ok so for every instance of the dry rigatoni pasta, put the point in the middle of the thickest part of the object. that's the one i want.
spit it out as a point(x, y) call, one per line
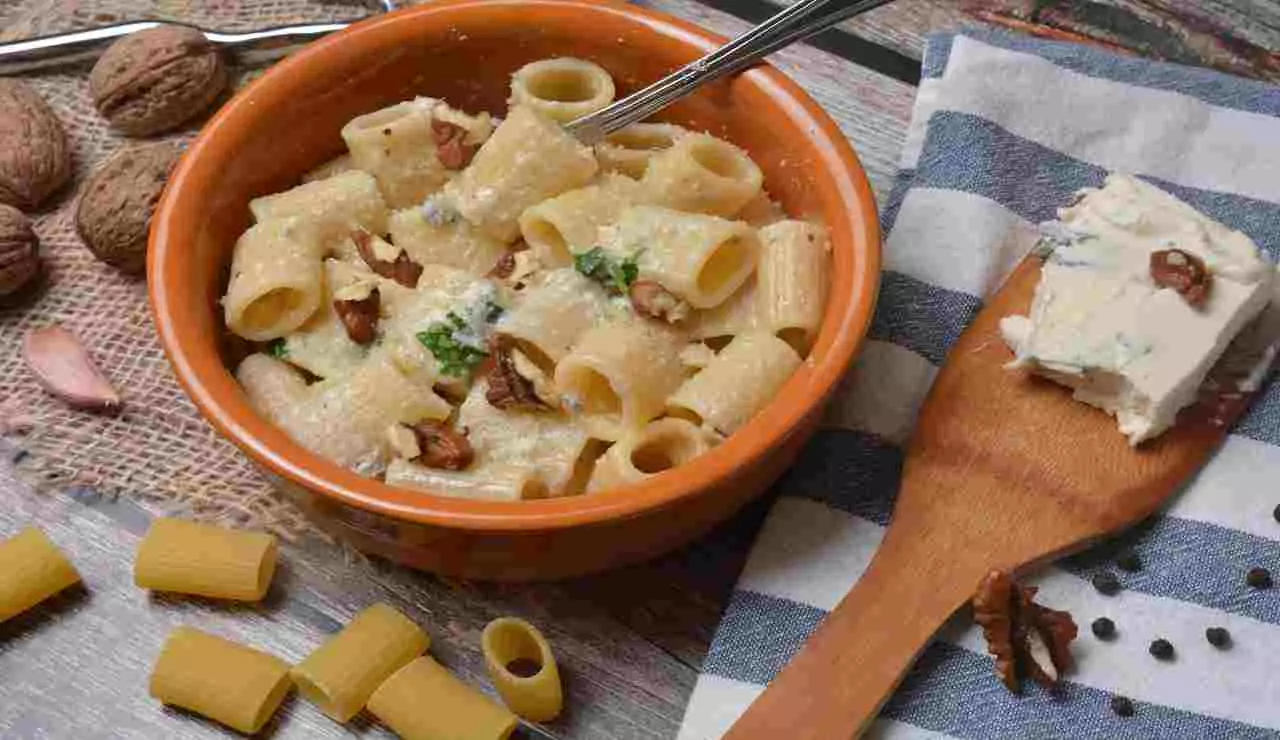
point(522, 668)
point(32, 569)
point(562, 89)
point(559, 227)
point(423, 701)
point(528, 159)
point(702, 259)
point(341, 675)
point(629, 149)
point(203, 560)
point(742, 378)
point(662, 445)
point(225, 681)
point(794, 258)
point(276, 279)
point(333, 207)
point(702, 174)
point(619, 374)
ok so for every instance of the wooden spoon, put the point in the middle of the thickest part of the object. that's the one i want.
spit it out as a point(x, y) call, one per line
point(1004, 471)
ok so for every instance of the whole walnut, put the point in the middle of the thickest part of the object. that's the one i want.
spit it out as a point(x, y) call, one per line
point(114, 214)
point(156, 80)
point(34, 157)
point(19, 255)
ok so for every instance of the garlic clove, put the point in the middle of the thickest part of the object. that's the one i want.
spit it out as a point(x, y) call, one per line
point(61, 364)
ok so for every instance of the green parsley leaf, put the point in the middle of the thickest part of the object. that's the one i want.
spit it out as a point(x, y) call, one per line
point(278, 349)
point(455, 359)
point(615, 276)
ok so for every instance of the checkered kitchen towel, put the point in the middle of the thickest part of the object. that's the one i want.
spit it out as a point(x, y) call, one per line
point(1005, 130)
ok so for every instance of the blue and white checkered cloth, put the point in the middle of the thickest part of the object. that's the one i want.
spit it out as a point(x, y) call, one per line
point(1005, 130)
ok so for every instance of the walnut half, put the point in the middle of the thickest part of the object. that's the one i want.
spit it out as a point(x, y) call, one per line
point(1184, 272)
point(1025, 638)
point(442, 447)
point(513, 379)
point(650, 299)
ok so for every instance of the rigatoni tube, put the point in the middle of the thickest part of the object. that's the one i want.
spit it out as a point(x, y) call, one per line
point(661, 445)
point(219, 679)
point(32, 569)
point(558, 228)
point(629, 150)
point(702, 174)
point(276, 279)
point(423, 701)
point(204, 560)
point(740, 381)
point(562, 89)
point(523, 668)
point(793, 280)
point(341, 675)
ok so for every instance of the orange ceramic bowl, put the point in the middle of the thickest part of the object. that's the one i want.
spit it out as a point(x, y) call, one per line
point(288, 121)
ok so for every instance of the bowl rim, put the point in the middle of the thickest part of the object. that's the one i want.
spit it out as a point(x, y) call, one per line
point(235, 419)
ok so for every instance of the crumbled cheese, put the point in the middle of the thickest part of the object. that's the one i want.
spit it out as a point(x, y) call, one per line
point(439, 210)
point(402, 442)
point(382, 249)
point(1100, 324)
point(357, 291)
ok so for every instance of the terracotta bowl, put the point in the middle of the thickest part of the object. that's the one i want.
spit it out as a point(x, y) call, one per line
point(288, 121)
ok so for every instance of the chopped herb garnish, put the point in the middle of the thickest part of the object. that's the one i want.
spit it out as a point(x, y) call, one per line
point(455, 358)
point(278, 349)
point(615, 276)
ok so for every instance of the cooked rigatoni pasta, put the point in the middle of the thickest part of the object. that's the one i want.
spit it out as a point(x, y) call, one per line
point(662, 445)
point(407, 146)
point(227, 682)
point(794, 259)
point(554, 312)
point(559, 227)
point(527, 160)
point(336, 166)
point(702, 174)
point(562, 89)
point(341, 675)
point(454, 243)
point(508, 314)
point(522, 668)
point(737, 383)
point(32, 569)
point(629, 150)
point(276, 279)
point(702, 259)
point(619, 374)
point(333, 207)
point(203, 560)
point(423, 701)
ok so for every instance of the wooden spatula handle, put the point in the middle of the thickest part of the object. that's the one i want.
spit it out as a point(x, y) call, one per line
point(834, 688)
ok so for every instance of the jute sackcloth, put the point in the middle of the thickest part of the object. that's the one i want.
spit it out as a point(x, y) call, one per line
point(159, 447)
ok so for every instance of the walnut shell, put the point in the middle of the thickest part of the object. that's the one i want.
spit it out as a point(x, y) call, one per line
point(19, 255)
point(34, 157)
point(154, 81)
point(114, 214)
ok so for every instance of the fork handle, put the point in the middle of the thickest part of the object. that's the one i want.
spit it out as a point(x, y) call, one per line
point(835, 686)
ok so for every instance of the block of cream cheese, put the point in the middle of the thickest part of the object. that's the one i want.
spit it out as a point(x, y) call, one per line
point(1100, 324)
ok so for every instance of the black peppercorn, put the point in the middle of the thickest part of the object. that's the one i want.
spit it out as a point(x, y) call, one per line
point(1106, 583)
point(1129, 562)
point(1258, 578)
point(1162, 649)
point(1103, 628)
point(1276, 512)
point(1122, 706)
point(1218, 637)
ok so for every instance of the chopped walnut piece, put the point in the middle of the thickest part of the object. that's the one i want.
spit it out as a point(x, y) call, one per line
point(652, 300)
point(1025, 638)
point(451, 147)
point(513, 379)
point(1184, 272)
point(359, 316)
point(505, 265)
point(441, 446)
point(376, 253)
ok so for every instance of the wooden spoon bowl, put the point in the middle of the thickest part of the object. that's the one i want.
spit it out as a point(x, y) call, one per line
point(1004, 471)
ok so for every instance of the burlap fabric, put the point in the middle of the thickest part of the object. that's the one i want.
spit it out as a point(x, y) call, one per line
point(159, 448)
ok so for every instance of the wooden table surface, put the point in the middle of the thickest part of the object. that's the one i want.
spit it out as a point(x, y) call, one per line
point(629, 642)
